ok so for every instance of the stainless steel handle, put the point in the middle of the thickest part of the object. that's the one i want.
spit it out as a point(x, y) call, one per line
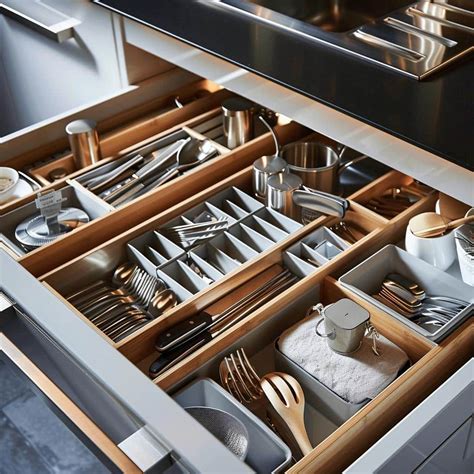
point(60, 31)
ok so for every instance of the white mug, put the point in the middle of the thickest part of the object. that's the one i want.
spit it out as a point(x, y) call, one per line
point(438, 251)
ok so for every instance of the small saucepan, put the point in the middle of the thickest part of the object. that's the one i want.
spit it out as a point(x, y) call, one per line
point(318, 165)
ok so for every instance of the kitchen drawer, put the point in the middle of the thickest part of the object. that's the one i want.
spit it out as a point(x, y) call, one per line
point(228, 162)
point(335, 446)
point(119, 131)
point(121, 403)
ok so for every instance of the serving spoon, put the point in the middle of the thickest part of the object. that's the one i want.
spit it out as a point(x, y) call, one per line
point(430, 224)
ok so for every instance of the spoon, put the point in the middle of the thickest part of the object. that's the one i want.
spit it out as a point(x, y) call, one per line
point(287, 398)
point(430, 224)
point(193, 152)
point(161, 302)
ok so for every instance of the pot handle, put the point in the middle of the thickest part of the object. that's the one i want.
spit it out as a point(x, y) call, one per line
point(346, 165)
point(321, 334)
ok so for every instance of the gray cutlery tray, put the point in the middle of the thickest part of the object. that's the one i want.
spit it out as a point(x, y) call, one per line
point(366, 279)
point(266, 453)
point(329, 403)
point(252, 230)
point(75, 195)
point(307, 247)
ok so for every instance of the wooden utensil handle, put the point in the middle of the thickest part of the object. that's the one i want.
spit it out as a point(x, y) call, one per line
point(301, 436)
point(458, 222)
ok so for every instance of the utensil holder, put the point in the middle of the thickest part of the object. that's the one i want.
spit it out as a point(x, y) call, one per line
point(266, 453)
point(366, 279)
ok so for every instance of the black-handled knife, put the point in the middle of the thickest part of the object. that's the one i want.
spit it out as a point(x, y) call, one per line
point(180, 332)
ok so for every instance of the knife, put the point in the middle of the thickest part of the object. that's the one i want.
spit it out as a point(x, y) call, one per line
point(146, 170)
point(170, 358)
point(181, 332)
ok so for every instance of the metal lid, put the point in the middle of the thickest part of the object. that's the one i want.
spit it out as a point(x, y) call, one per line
point(270, 164)
point(234, 105)
point(80, 126)
point(346, 314)
point(284, 182)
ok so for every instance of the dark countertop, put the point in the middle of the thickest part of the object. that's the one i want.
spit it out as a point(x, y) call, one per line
point(436, 114)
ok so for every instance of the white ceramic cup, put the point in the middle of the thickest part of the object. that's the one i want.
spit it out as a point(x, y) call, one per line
point(12, 175)
point(438, 251)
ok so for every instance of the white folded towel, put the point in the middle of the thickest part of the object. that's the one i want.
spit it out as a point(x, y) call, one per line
point(354, 377)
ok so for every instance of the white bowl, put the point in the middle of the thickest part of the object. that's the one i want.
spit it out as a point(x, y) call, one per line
point(438, 251)
point(17, 189)
point(11, 175)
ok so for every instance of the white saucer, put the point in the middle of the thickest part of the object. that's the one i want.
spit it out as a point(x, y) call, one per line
point(22, 188)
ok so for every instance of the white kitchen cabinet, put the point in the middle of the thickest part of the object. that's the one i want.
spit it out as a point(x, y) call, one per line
point(43, 77)
point(437, 437)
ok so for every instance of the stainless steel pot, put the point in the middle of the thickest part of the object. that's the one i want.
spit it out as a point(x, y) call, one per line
point(345, 323)
point(318, 165)
point(263, 169)
point(280, 190)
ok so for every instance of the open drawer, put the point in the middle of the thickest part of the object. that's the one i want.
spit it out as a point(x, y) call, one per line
point(336, 443)
point(119, 132)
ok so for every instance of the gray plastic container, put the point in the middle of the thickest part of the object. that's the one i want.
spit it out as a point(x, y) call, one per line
point(327, 402)
point(267, 453)
point(366, 279)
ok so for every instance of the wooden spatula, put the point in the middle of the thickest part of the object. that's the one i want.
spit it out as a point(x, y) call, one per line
point(430, 224)
point(287, 398)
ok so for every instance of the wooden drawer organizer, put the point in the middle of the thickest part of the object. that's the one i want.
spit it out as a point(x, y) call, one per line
point(335, 446)
point(167, 195)
point(117, 133)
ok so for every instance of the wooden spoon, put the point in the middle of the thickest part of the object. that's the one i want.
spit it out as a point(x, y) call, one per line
point(287, 398)
point(430, 224)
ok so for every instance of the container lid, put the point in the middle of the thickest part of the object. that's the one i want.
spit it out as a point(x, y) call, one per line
point(284, 182)
point(270, 164)
point(346, 314)
point(237, 104)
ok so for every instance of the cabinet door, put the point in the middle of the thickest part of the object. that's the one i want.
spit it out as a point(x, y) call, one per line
point(153, 430)
point(435, 437)
point(456, 454)
point(46, 78)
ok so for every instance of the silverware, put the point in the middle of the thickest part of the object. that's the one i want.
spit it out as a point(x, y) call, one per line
point(98, 182)
point(410, 300)
point(118, 311)
point(181, 340)
point(189, 234)
point(146, 170)
point(239, 378)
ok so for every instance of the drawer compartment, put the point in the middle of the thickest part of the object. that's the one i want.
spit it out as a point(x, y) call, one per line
point(167, 195)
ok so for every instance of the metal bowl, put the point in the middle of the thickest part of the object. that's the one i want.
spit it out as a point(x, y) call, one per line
point(228, 429)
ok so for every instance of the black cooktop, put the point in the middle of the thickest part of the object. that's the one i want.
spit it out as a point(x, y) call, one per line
point(436, 114)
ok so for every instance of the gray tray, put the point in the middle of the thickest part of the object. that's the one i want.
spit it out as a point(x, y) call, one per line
point(323, 399)
point(366, 278)
point(267, 453)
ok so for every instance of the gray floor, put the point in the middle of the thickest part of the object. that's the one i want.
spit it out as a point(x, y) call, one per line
point(32, 438)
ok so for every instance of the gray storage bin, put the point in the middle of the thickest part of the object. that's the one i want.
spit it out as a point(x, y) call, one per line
point(327, 402)
point(267, 453)
point(366, 279)
point(75, 195)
